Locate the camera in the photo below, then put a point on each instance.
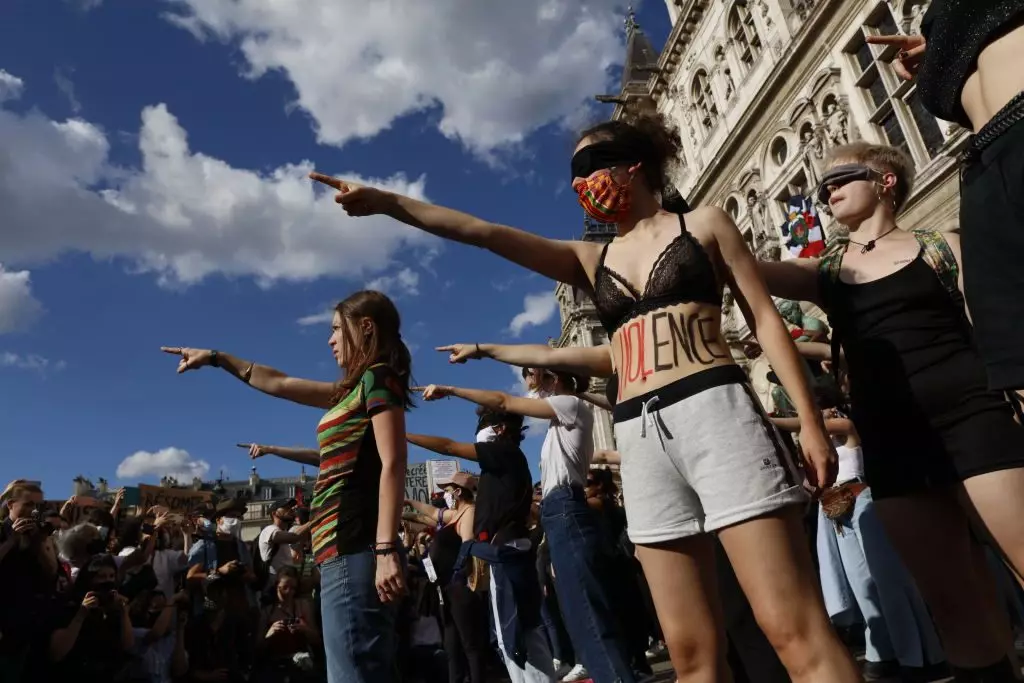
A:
(45, 527)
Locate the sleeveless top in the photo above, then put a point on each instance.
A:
(444, 550)
(851, 463)
(683, 272)
(957, 32)
(911, 357)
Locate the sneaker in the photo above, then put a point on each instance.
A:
(560, 668)
(578, 673)
(876, 671)
(657, 650)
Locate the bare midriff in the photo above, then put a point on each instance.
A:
(997, 80)
(653, 350)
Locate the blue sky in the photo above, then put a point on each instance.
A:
(152, 192)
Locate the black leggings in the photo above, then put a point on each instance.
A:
(466, 634)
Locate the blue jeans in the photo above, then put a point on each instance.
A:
(860, 570)
(580, 558)
(359, 630)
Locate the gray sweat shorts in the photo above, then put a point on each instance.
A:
(699, 455)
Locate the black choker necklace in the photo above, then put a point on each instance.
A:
(870, 245)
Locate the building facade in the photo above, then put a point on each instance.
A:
(760, 91)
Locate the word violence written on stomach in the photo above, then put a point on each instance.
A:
(692, 337)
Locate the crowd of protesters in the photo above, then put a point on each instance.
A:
(903, 530)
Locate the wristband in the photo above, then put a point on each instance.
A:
(477, 353)
(387, 550)
(213, 360)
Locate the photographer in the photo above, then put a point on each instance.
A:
(93, 641)
(28, 571)
(158, 627)
(287, 633)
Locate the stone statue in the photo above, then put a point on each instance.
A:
(836, 124)
(730, 85)
(764, 13)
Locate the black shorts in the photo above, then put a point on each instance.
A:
(992, 221)
(911, 457)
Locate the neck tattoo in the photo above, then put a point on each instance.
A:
(865, 247)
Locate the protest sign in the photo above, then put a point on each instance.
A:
(417, 482)
(179, 501)
(440, 470)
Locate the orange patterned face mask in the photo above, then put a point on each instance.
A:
(604, 199)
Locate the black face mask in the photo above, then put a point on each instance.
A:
(599, 156)
(844, 174)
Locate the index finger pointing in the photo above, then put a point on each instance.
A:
(176, 350)
(450, 347)
(327, 180)
(887, 40)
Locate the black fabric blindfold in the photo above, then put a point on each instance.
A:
(841, 175)
(599, 156)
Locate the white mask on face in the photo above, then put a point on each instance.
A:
(230, 525)
(449, 500)
(487, 434)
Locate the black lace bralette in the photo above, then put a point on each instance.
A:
(682, 273)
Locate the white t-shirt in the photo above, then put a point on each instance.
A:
(282, 552)
(851, 463)
(569, 444)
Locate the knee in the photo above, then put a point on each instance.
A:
(693, 653)
(791, 632)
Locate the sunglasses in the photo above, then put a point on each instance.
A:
(842, 175)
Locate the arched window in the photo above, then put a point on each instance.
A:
(732, 207)
(744, 33)
(704, 99)
(779, 151)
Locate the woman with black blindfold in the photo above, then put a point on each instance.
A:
(698, 453)
(940, 448)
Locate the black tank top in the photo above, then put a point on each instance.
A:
(683, 272)
(909, 353)
(444, 550)
(957, 32)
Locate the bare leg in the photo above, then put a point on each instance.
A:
(997, 499)
(682, 579)
(773, 564)
(931, 534)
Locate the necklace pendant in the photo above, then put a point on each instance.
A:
(868, 247)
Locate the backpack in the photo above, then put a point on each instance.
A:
(934, 250)
(260, 567)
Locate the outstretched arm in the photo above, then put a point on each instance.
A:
(260, 377)
(766, 324)
(495, 400)
(443, 446)
(592, 361)
(795, 279)
(599, 400)
(564, 261)
(303, 456)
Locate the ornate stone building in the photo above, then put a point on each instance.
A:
(760, 90)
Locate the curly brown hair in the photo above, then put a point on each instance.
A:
(656, 143)
(383, 345)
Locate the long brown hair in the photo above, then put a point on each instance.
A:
(15, 490)
(384, 345)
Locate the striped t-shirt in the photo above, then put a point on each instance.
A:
(345, 497)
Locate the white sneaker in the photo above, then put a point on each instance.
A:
(578, 673)
(656, 650)
(560, 668)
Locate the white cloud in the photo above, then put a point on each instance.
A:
(405, 282)
(10, 86)
(537, 310)
(182, 215)
(496, 70)
(173, 462)
(316, 318)
(31, 362)
(18, 307)
(62, 79)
